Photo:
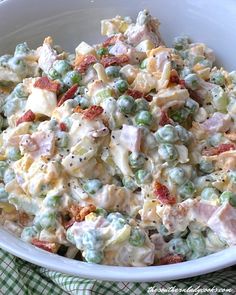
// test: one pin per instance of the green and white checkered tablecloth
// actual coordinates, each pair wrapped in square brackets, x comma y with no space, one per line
[18,277]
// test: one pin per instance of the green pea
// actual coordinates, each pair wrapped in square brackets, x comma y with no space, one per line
[217,78]
[196,243]
[71,78]
[143,64]
[52,124]
[117,220]
[137,160]
[163,230]
[4,60]
[3,194]
[179,115]
[181,43]
[192,81]
[52,200]
[28,233]
[92,256]
[185,72]
[143,118]
[9,175]
[102,51]
[168,152]
[20,91]
[215,139]
[178,246]
[92,186]
[82,101]
[206,166]
[167,133]
[137,237]
[62,140]
[210,194]
[70,236]
[206,63]
[126,104]
[22,49]
[229,197]
[47,219]
[92,240]
[53,74]
[17,65]
[220,99]
[13,153]
[141,105]
[232,176]
[121,85]
[61,66]
[187,189]
[143,177]
[129,183]
[3,167]
[192,105]
[113,71]
[183,134]
[101,212]
[177,175]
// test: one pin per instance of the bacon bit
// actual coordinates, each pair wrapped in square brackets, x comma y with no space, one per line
[50,247]
[171,259]
[63,126]
[87,61]
[69,94]
[148,97]
[92,112]
[69,223]
[164,120]
[107,61]
[79,212]
[174,77]
[78,110]
[45,83]
[112,40]
[224,147]
[193,94]
[134,93]
[182,84]
[28,116]
[163,195]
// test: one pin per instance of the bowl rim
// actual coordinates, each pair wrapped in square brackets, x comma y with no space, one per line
[32,254]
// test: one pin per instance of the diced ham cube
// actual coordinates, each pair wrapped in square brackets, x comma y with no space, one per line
[223,223]
[219,122]
[131,137]
[203,211]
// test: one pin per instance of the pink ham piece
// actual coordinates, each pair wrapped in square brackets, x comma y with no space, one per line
[202,211]
[223,223]
[131,137]
[219,122]
[146,28]
[47,55]
[38,144]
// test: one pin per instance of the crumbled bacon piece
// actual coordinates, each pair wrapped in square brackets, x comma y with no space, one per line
[68,95]
[112,40]
[45,83]
[164,120]
[163,195]
[92,112]
[148,97]
[134,93]
[182,83]
[50,247]
[62,126]
[170,259]
[79,212]
[83,64]
[107,61]
[28,116]
[174,77]
[224,147]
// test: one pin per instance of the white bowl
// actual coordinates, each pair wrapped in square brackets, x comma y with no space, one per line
[70,22]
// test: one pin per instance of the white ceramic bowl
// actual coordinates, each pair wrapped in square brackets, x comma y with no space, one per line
[70,22]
